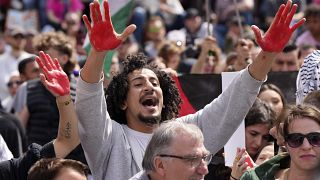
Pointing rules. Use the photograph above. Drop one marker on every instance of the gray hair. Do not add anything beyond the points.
(163, 137)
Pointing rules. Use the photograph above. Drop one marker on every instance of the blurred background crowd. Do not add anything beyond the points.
(181, 36)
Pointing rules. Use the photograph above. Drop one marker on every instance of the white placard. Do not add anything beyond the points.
(27, 20)
(238, 137)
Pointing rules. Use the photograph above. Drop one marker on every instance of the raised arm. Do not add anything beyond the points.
(103, 38)
(219, 119)
(274, 39)
(57, 82)
(205, 59)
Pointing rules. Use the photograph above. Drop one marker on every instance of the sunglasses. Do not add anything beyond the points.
(295, 140)
(18, 36)
(11, 83)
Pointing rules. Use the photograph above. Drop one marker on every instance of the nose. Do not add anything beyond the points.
(306, 145)
(203, 168)
(258, 141)
(148, 86)
(284, 67)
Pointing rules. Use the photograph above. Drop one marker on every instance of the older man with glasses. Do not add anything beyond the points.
(175, 151)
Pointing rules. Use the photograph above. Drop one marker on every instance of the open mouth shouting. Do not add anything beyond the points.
(150, 103)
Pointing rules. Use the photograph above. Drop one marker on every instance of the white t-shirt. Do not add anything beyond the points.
(139, 141)
(5, 153)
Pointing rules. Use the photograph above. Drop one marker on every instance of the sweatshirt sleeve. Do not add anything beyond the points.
(219, 119)
(95, 125)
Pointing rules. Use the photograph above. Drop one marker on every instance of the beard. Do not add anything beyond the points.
(151, 120)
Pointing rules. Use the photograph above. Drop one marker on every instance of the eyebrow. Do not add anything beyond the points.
(196, 155)
(137, 78)
(255, 131)
(142, 78)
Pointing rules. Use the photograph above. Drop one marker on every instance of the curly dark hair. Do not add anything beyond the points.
(119, 86)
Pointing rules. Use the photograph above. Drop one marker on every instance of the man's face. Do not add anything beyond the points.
(286, 62)
(31, 71)
(144, 99)
(193, 23)
(185, 146)
(17, 42)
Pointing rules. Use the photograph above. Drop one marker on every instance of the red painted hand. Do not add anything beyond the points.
(280, 31)
(101, 33)
(53, 77)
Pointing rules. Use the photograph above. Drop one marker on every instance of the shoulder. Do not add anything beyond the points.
(142, 175)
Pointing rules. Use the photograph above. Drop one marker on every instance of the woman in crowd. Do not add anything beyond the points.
(170, 54)
(257, 125)
(209, 60)
(272, 94)
(301, 132)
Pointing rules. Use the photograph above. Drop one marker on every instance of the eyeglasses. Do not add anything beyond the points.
(194, 161)
(295, 140)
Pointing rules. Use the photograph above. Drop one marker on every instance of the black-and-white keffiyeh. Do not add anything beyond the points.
(308, 78)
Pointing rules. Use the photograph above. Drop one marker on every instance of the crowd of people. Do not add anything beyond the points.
(111, 111)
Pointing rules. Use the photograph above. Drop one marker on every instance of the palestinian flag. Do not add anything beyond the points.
(120, 11)
(198, 90)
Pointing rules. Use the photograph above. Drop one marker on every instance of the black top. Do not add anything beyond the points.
(17, 168)
(13, 133)
(43, 120)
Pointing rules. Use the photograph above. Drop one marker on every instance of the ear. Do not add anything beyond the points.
(159, 166)
(23, 77)
(124, 106)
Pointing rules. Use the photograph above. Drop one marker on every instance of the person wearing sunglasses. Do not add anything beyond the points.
(175, 151)
(301, 132)
(12, 85)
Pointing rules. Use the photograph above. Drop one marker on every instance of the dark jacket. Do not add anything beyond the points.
(268, 169)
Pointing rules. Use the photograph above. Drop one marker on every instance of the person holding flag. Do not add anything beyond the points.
(115, 132)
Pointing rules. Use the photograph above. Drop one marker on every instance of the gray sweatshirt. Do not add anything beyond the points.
(105, 142)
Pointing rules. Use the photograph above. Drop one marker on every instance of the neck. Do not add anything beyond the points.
(141, 127)
(295, 173)
(240, 64)
(16, 52)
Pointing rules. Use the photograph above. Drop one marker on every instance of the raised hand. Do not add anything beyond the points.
(101, 33)
(241, 163)
(280, 31)
(53, 77)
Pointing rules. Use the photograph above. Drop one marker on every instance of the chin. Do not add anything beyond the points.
(150, 120)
